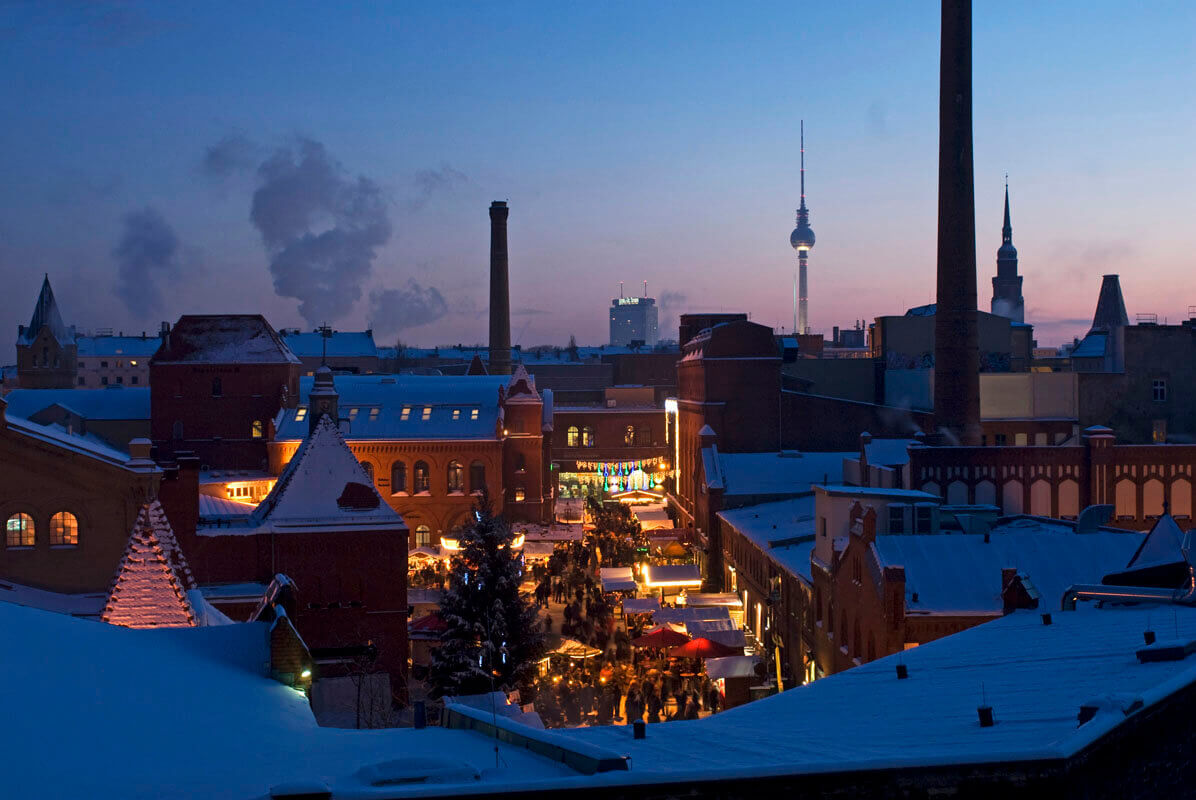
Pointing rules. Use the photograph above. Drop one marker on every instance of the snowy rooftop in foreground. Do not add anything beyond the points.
(195, 719)
(1035, 678)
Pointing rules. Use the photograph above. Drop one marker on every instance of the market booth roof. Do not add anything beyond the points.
(661, 637)
(640, 605)
(616, 579)
(672, 575)
(703, 648)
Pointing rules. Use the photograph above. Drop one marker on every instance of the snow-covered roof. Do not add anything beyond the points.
(127, 346)
(341, 344)
(224, 339)
(1162, 545)
(78, 605)
(324, 488)
(616, 579)
(783, 531)
(125, 692)
(111, 403)
(888, 452)
(219, 508)
(671, 574)
(381, 399)
(779, 473)
(87, 445)
(954, 572)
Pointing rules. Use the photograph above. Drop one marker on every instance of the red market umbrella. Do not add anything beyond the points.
(661, 637)
(703, 648)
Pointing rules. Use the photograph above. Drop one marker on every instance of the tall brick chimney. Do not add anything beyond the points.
(956, 338)
(500, 293)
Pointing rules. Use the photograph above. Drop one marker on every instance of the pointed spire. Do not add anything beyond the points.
(1007, 228)
(45, 314)
(148, 591)
(803, 164)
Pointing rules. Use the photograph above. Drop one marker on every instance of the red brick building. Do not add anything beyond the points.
(217, 384)
(432, 444)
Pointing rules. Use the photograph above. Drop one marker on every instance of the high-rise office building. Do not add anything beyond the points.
(633, 319)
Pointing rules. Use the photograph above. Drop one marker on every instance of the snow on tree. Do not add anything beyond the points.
(493, 638)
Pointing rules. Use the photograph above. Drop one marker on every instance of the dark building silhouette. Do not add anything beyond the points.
(1007, 285)
(46, 349)
(956, 341)
(500, 293)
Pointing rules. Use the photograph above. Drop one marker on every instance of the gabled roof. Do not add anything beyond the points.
(45, 314)
(147, 592)
(522, 387)
(324, 488)
(1163, 545)
(224, 339)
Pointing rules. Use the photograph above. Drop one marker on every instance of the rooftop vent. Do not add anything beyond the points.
(1167, 650)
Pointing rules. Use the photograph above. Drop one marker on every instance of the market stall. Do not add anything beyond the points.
(617, 579)
(734, 676)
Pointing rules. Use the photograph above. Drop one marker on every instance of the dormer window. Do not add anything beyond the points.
(374, 414)
(427, 413)
(473, 414)
(456, 414)
(300, 413)
(405, 414)
(352, 414)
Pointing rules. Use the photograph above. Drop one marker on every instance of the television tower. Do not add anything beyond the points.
(802, 239)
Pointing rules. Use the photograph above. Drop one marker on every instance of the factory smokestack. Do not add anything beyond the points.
(956, 338)
(500, 293)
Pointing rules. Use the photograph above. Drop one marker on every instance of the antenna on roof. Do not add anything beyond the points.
(620, 290)
(645, 288)
(325, 333)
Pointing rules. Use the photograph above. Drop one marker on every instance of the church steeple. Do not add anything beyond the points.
(1007, 285)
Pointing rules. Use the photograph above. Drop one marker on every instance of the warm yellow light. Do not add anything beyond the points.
(517, 542)
(670, 405)
(305, 674)
(450, 544)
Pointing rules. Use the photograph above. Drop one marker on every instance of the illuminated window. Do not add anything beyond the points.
(258, 429)
(629, 435)
(423, 536)
(473, 414)
(369, 470)
(20, 531)
(132, 363)
(456, 477)
(300, 413)
(374, 414)
(477, 477)
(572, 436)
(587, 436)
(405, 413)
(456, 414)
(398, 477)
(353, 413)
(1158, 434)
(422, 483)
(427, 413)
(519, 494)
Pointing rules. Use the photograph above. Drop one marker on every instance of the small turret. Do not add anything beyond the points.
(323, 399)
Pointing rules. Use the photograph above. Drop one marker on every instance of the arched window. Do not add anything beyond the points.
(423, 536)
(572, 436)
(520, 494)
(217, 387)
(587, 436)
(257, 429)
(456, 477)
(477, 477)
(369, 470)
(64, 528)
(629, 435)
(20, 531)
(398, 477)
(422, 483)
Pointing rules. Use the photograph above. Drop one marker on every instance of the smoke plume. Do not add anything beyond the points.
(231, 155)
(148, 249)
(396, 309)
(321, 227)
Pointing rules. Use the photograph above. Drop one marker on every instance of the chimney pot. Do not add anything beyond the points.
(986, 716)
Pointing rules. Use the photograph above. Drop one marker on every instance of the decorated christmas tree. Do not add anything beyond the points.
(493, 639)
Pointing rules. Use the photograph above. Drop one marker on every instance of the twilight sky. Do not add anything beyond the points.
(159, 159)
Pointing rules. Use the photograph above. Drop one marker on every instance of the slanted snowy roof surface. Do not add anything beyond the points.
(147, 592)
(112, 403)
(79, 605)
(955, 572)
(305, 498)
(225, 339)
(189, 713)
(85, 445)
(769, 524)
(1035, 678)
(342, 344)
(1162, 545)
(214, 508)
(776, 473)
(380, 400)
